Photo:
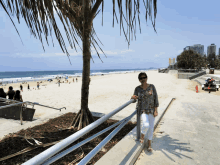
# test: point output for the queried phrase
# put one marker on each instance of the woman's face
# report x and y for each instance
(143, 79)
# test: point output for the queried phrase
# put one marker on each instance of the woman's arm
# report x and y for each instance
(156, 102)
(135, 95)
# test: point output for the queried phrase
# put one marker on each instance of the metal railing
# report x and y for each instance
(67, 151)
(188, 70)
(46, 156)
(197, 75)
(24, 105)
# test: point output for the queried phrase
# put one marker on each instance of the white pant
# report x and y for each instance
(147, 125)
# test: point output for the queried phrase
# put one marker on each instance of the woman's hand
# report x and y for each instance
(155, 112)
(134, 97)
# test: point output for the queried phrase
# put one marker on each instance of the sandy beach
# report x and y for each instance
(106, 93)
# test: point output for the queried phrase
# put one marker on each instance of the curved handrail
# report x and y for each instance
(71, 149)
(43, 156)
(90, 155)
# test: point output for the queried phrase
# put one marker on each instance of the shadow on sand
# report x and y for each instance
(166, 144)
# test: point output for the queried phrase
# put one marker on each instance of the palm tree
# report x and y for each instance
(77, 18)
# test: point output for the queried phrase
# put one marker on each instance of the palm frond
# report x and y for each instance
(40, 18)
(4, 7)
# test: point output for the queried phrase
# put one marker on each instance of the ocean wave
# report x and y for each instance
(40, 77)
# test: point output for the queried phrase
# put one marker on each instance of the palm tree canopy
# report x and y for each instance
(39, 17)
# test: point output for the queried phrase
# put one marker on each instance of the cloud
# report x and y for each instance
(72, 52)
(25, 55)
(107, 52)
(117, 52)
(125, 51)
(161, 53)
(180, 51)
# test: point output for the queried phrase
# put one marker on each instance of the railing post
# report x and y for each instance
(139, 118)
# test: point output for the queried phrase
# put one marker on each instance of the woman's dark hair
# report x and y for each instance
(10, 88)
(2, 92)
(17, 95)
(142, 74)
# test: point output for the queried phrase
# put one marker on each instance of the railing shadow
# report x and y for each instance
(166, 143)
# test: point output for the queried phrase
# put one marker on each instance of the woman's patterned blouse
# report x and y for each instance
(149, 98)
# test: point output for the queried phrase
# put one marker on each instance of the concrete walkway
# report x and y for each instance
(201, 79)
(187, 134)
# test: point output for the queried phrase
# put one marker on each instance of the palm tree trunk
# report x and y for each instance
(86, 57)
(84, 116)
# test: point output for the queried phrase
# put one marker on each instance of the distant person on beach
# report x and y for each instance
(28, 87)
(21, 87)
(38, 85)
(10, 93)
(76, 80)
(2, 94)
(18, 96)
(73, 79)
(89, 80)
(148, 95)
(59, 83)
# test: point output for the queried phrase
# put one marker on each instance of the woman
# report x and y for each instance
(2, 94)
(17, 96)
(149, 105)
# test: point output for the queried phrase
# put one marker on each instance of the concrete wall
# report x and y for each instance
(190, 75)
(185, 75)
(173, 72)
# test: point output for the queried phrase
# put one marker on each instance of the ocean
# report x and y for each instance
(22, 76)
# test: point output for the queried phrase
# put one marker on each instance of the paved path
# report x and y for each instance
(188, 134)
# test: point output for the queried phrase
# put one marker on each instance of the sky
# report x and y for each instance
(178, 24)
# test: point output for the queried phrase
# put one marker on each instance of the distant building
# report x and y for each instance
(171, 63)
(211, 49)
(198, 48)
(219, 53)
